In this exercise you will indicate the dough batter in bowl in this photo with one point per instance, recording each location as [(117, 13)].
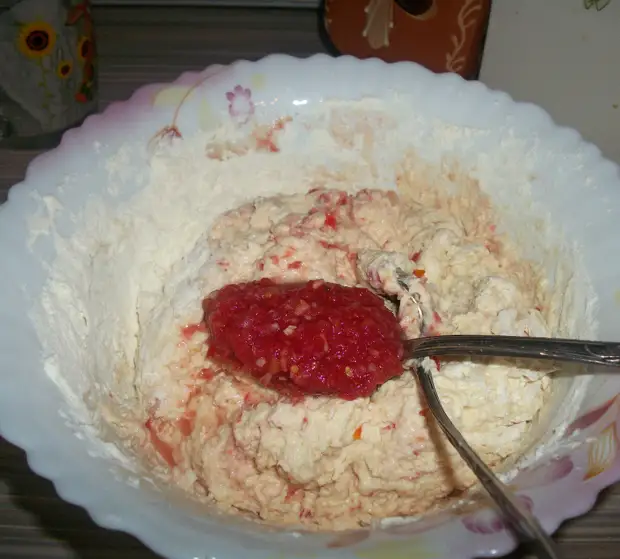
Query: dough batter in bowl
[(329, 463), (121, 306)]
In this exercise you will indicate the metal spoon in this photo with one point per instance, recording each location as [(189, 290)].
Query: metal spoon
[(558, 349), (524, 524)]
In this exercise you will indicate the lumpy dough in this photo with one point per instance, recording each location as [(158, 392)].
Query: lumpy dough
[(327, 463)]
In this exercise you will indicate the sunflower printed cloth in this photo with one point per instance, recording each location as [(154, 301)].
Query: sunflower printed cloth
[(48, 71)]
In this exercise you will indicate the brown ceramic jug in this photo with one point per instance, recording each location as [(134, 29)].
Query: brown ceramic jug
[(443, 35)]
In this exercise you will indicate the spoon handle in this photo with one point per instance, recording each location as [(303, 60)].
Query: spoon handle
[(524, 524), (580, 351)]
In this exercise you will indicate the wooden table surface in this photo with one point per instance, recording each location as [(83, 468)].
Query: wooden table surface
[(145, 45)]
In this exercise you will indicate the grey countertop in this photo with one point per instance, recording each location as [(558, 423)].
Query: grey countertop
[(145, 45)]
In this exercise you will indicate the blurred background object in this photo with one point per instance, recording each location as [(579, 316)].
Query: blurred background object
[(443, 35), (48, 73)]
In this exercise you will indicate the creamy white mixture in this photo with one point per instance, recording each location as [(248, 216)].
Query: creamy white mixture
[(327, 462), (132, 276)]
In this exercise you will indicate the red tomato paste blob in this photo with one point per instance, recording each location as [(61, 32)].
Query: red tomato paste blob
[(311, 338)]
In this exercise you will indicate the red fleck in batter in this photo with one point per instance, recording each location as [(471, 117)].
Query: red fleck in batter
[(330, 220), (188, 331), (312, 337), (266, 136), (164, 449)]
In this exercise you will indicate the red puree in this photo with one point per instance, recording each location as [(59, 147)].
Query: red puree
[(313, 337)]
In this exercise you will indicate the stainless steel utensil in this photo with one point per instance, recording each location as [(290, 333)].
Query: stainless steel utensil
[(558, 349), (523, 523)]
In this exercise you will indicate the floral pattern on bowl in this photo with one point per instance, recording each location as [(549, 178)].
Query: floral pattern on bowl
[(250, 95), (240, 104)]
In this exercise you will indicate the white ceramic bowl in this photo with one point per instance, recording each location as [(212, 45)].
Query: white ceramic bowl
[(571, 183)]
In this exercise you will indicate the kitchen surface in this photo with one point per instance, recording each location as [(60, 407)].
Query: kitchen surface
[(139, 45)]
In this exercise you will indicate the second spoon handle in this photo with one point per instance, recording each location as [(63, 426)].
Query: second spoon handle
[(524, 524), (580, 351)]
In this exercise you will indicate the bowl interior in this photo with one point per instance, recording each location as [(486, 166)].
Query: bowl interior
[(557, 197)]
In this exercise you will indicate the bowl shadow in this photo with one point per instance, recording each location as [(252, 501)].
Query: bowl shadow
[(36, 522)]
